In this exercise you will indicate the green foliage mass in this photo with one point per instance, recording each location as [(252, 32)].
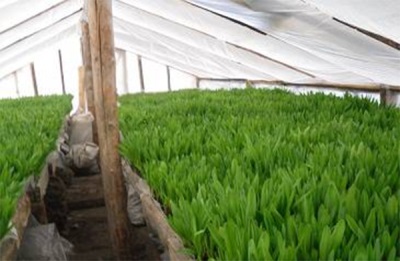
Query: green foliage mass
[(29, 128), (260, 175)]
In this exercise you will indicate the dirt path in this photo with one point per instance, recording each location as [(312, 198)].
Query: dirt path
[(86, 226)]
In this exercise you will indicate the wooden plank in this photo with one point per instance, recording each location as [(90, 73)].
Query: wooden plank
[(9, 245), (105, 96), (141, 76), (82, 96), (155, 217), (60, 59), (377, 37), (34, 81), (322, 85), (87, 62)]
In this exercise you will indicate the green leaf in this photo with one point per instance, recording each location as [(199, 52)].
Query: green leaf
[(338, 234), (325, 243)]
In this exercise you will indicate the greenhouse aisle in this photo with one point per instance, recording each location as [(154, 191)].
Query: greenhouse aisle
[(87, 225)]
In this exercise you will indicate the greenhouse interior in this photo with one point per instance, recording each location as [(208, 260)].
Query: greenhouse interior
[(199, 130)]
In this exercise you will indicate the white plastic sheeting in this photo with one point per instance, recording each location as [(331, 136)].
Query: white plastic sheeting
[(377, 16), (39, 22), (228, 31), (8, 87), (154, 75), (133, 77), (181, 80), (48, 71), (121, 73), (25, 83), (200, 40), (152, 44), (286, 40), (17, 12), (24, 51), (155, 80), (72, 59), (300, 25)]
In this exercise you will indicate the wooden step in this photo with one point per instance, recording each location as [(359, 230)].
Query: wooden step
[(86, 192)]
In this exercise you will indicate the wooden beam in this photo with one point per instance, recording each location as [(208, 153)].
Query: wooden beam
[(9, 245), (377, 37), (87, 63), (82, 96), (323, 85), (34, 81), (61, 71), (169, 78), (141, 76), (104, 81)]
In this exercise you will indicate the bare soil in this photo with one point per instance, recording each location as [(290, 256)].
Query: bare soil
[(88, 233), (85, 225)]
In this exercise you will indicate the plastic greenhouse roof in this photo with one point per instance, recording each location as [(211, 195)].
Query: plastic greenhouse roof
[(294, 41)]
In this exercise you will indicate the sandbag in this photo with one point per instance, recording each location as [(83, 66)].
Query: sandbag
[(43, 242), (81, 129), (135, 211), (83, 155)]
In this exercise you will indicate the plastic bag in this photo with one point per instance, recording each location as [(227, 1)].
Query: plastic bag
[(81, 129), (135, 211), (43, 242), (83, 155)]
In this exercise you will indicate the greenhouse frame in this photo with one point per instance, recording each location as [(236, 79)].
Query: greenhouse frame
[(126, 127)]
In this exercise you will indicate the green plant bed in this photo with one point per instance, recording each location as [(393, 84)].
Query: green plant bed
[(29, 128), (260, 175)]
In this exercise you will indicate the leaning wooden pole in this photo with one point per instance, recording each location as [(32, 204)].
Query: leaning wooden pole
[(88, 81), (82, 92), (105, 96), (141, 76), (34, 81), (60, 60), (169, 78), (16, 83)]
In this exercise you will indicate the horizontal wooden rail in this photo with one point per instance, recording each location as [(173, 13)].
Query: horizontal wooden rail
[(354, 87)]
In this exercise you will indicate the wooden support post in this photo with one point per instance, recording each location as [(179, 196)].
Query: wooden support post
[(382, 93), (16, 83), (82, 96), (34, 81), (125, 72), (105, 94), (61, 71), (197, 83), (141, 76), (169, 79), (87, 63), (387, 97)]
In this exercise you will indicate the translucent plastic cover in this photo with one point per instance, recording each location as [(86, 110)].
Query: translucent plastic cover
[(301, 25)]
